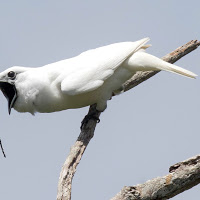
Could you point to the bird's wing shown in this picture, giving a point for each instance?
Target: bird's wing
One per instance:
(93, 67)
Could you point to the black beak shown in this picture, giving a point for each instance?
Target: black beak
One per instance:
(10, 92)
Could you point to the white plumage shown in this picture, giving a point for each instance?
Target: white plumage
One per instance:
(88, 78)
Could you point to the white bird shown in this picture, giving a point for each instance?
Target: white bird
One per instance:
(89, 78)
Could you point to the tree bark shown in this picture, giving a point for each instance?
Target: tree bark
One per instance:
(87, 130)
(182, 176)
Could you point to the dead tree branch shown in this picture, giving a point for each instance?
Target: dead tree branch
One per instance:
(2, 149)
(182, 176)
(87, 131)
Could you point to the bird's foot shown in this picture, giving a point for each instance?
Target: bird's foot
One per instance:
(89, 117)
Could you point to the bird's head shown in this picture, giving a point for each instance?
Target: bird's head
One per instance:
(8, 79)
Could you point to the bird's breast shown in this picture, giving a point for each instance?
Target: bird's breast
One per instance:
(46, 97)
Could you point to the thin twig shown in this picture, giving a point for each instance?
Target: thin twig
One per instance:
(2, 149)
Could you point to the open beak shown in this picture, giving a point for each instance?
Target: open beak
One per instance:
(10, 92)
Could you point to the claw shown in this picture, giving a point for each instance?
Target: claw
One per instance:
(89, 117)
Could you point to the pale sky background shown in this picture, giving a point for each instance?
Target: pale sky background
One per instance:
(143, 131)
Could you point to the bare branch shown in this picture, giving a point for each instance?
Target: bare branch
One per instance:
(2, 149)
(87, 131)
(74, 157)
(182, 176)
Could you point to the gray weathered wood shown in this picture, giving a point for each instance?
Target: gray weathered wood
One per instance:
(74, 157)
(182, 176)
(87, 131)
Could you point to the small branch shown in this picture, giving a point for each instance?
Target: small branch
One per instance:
(182, 176)
(2, 149)
(87, 131)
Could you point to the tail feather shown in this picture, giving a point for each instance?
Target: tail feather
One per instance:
(149, 62)
(177, 70)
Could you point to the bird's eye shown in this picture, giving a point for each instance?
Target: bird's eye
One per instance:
(11, 74)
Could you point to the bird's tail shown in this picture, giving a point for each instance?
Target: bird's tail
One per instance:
(152, 63)
(177, 70)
